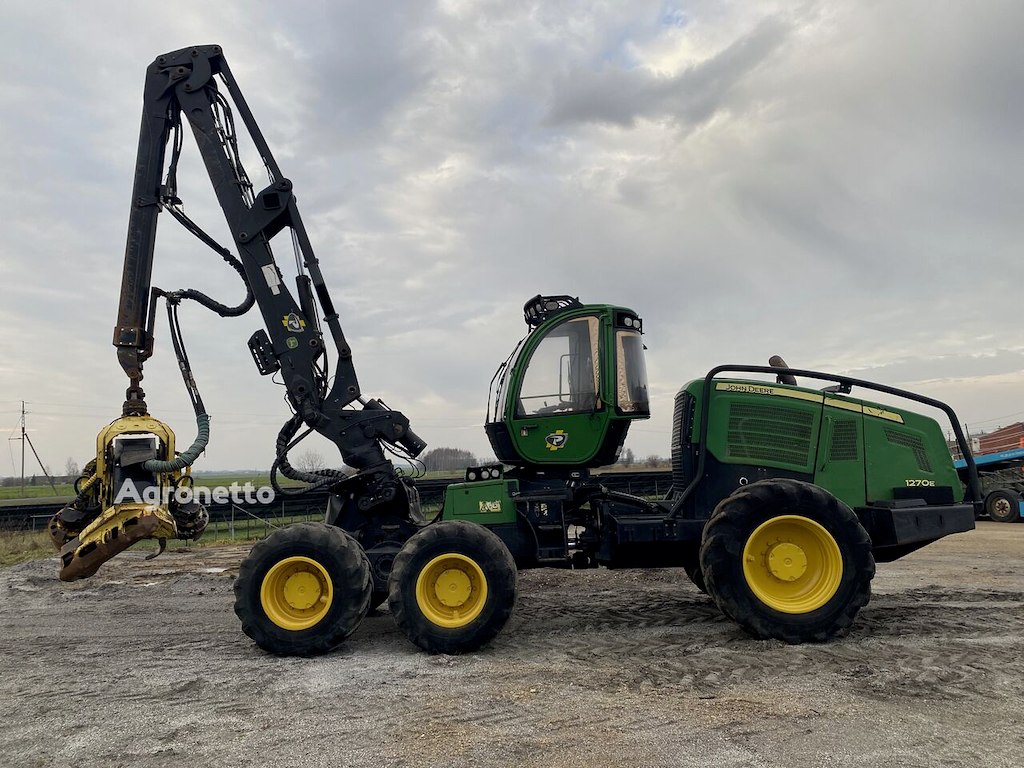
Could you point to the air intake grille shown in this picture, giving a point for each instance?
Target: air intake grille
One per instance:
(844, 441)
(681, 420)
(769, 433)
(914, 443)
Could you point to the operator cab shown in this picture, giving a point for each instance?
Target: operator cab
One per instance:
(567, 393)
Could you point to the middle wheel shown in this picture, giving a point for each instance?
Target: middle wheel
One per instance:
(452, 587)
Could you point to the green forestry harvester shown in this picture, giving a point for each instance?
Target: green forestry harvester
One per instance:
(783, 498)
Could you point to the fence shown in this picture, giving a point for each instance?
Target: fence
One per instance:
(251, 521)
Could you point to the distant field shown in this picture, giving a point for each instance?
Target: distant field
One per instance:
(20, 546)
(44, 491)
(64, 490)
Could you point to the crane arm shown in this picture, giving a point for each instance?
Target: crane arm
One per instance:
(196, 86)
(191, 84)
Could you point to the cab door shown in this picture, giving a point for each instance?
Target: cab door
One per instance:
(558, 414)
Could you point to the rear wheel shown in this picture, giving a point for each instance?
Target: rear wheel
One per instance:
(303, 589)
(1003, 506)
(452, 587)
(787, 560)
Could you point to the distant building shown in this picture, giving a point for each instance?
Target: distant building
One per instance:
(973, 441)
(1004, 439)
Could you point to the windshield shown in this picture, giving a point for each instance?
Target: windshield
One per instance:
(630, 373)
(563, 371)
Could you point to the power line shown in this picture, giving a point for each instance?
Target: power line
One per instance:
(14, 467)
(24, 438)
(998, 418)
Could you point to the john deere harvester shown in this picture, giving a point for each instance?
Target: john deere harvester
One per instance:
(784, 496)
(783, 499)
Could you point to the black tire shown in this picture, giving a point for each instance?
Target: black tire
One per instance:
(326, 556)
(484, 573)
(1003, 506)
(691, 565)
(813, 612)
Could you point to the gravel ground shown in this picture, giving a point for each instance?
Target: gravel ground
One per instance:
(145, 665)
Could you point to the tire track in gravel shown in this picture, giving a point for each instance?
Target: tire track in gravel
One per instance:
(603, 660)
(944, 643)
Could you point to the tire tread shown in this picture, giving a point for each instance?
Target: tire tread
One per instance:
(313, 539)
(726, 534)
(490, 553)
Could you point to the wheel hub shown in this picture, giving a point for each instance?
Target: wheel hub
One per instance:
(453, 588)
(787, 561)
(301, 590)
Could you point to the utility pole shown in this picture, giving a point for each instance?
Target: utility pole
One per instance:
(26, 439)
(24, 435)
(21, 437)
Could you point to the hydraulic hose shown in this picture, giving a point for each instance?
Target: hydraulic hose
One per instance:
(315, 480)
(84, 488)
(187, 457)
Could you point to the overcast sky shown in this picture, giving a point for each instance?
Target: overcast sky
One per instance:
(836, 182)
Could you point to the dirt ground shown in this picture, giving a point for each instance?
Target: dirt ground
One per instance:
(145, 665)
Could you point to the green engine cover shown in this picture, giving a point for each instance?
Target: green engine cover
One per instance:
(861, 452)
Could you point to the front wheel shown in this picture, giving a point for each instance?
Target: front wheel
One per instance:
(1003, 506)
(452, 587)
(787, 560)
(303, 589)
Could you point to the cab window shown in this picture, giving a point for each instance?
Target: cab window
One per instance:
(564, 371)
(630, 373)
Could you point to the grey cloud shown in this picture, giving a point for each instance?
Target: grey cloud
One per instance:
(854, 200)
(946, 367)
(620, 96)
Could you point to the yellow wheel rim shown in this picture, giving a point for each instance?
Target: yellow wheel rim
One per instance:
(451, 590)
(792, 564)
(296, 593)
